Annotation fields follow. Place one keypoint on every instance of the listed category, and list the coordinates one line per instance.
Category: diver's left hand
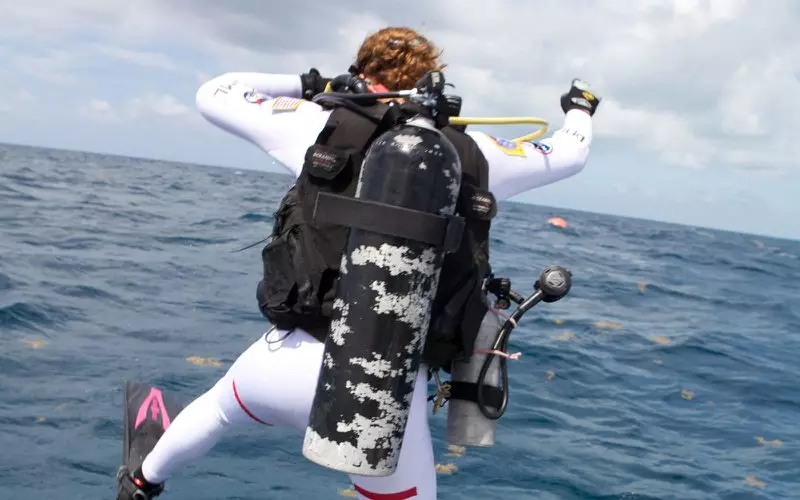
(313, 83)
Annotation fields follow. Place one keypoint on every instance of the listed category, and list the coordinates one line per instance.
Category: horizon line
(511, 201)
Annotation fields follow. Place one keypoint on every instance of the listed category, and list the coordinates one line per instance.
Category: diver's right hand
(580, 97)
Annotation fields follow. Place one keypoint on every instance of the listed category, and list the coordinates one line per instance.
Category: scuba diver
(273, 382)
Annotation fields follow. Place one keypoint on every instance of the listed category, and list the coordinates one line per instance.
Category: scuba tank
(401, 223)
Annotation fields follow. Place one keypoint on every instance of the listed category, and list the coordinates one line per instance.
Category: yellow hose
(506, 120)
(497, 120)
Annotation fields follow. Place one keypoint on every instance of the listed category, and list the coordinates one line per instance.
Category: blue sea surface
(670, 371)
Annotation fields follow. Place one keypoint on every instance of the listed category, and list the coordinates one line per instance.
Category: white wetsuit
(273, 381)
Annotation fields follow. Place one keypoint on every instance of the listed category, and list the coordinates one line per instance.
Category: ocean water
(670, 371)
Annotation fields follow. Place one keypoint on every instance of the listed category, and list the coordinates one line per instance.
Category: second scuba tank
(466, 424)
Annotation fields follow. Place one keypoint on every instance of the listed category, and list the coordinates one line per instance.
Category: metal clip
(442, 393)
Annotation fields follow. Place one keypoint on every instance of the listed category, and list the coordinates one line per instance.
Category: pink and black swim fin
(148, 413)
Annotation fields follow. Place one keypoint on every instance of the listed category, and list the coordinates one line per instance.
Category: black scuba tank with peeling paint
(402, 224)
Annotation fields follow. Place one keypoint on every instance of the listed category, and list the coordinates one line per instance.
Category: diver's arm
(273, 84)
(522, 167)
(281, 126)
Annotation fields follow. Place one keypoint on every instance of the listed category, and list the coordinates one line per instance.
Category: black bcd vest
(301, 262)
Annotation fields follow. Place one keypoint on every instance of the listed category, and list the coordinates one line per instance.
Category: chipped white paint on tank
(315, 446)
(394, 259)
(422, 165)
(454, 186)
(339, 327)
(328, 360)
(370, 432)
(411, 308)
(378, 367)
(419, 121)
(407, 142)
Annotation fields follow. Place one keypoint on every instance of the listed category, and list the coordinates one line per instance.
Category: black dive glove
(313, 83)
(580, 97)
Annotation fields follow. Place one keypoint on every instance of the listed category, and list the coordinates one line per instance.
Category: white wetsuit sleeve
(256, 107)
(274, 84)
(516, 168)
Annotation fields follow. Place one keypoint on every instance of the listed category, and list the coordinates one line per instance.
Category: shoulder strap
(475, 199)
(474, 160)
(355, 127)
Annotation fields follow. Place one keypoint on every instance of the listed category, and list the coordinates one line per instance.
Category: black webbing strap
(468, 391)
(444, 232)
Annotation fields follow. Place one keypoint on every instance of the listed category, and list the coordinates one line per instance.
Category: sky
(698, 123)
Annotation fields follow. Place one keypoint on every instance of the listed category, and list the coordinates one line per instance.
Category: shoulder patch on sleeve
(510, 148)
(286, 104)
(256, 97)
(542, 147)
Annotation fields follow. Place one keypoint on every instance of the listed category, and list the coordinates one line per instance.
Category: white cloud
(97, 109)
(24, 96)
(694, 82)
(138, 57)
(99, 106)
(149, 105)
(56, 66)
(665, 133)
(52, 68)
(16, 102)
(201, 77)
(163, 105)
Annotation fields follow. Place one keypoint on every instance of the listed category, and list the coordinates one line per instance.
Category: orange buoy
(557, 222)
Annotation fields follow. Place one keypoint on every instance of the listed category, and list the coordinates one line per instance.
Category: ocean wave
(667, 372)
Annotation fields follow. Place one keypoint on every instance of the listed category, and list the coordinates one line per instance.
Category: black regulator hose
(553, 284)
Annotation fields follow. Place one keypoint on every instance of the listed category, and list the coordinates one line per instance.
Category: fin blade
(148, 413)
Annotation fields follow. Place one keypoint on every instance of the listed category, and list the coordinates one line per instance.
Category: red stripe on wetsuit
(241, 404)
(400, 495)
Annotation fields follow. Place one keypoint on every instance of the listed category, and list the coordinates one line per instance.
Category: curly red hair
(397, 57)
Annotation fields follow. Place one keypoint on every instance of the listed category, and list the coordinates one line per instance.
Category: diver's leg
(415, 476)
(279, 389)
(278, 382)
(271, 383)
(191, 435)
